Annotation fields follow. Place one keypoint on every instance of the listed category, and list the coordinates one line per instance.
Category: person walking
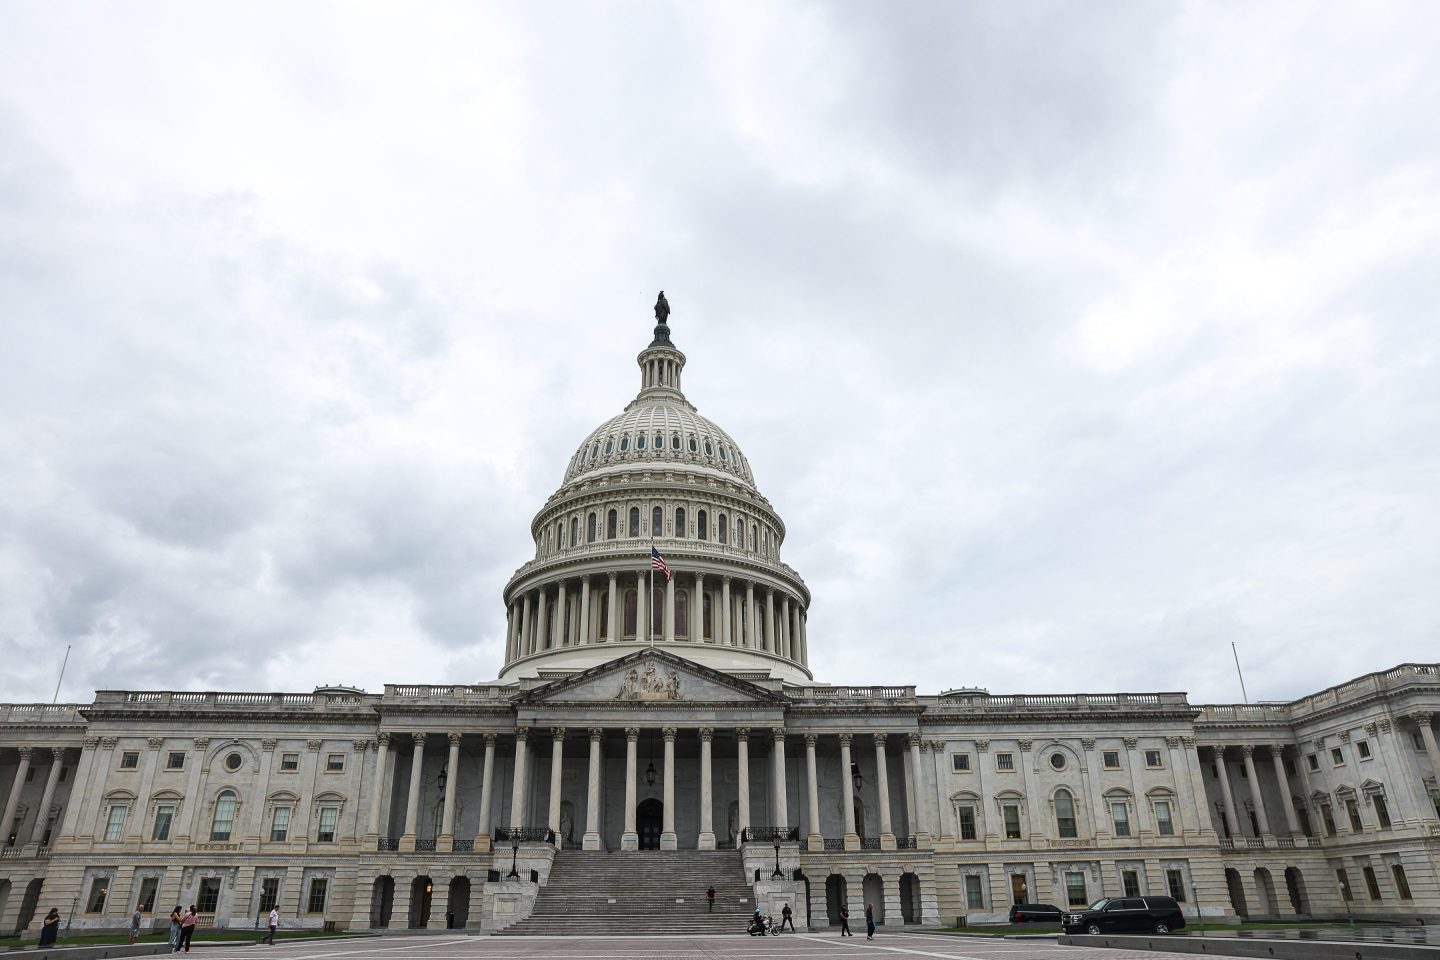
(274, 923)
(176, 916)
(845, 921)
(135, 919)
(187, 929)
(50, 928)
(787, 919)
(710, 898)
(869, 921)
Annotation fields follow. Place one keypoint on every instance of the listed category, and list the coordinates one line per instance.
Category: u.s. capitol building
(667, 731)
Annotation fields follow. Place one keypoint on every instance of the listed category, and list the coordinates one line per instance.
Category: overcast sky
(1072, 342)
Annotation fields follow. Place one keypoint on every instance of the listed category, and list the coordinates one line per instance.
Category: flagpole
(650, 614)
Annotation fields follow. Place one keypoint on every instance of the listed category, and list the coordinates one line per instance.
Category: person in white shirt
(274, 922)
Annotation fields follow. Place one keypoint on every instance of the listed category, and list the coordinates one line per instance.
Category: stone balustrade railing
(424, 691)
(46, 714)
(1405, 675)
(828, 694)
(214, 699)
(641, 549)
(980, 702)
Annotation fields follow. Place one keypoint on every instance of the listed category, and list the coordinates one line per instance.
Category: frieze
(649, 684)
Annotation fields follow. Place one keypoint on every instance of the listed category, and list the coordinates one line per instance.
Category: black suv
(1034, 913)
(1126, 915)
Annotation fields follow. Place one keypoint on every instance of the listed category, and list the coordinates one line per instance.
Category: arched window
(590, 531)
(632, 608)
(1065, 814)
(657, 523)
(706, 631)
(611, 521)
(680, 522)
(625, 443)
(574, 531)
(224, 820)
(709, 450)
(754, 536)
(609, 445)
(720, 530)
(702, 525)
(674, 441)
(694, 447)
(764, 540)
(560, 534)
(724, 454)
(634, 521)
(659, 440)
(682, 613)
(639, 441)
(602, 629)
(740, 533)
(594, 450)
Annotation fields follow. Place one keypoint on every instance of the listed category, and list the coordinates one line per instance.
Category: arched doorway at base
(649, 820)
(382, 902)
(421, 891)
(835, 894)
(457, 912)
(909, 898)
(874, 889)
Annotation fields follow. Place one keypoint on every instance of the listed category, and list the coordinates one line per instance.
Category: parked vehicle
(1034, 913)
(1126, 915)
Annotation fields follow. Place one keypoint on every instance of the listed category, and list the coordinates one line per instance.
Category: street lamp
(650, 772)
(777, 872)
(514, 858)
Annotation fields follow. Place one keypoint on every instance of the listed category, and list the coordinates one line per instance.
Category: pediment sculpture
(649, 685)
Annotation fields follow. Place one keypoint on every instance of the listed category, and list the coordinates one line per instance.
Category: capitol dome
(658, 475)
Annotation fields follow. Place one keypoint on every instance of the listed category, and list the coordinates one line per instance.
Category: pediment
(651, 677)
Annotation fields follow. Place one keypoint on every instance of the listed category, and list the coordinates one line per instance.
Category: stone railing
(640, 549)
(1405, 675)
(833, 694)
(425, 691)
(41, 714)
(216, 700)
(981, 702)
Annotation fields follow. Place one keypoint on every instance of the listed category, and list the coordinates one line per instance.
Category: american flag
(658, 562)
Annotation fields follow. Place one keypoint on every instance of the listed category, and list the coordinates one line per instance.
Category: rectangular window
(1110, 759)
(280, 824)
(148, 887)
(1402, 884)
(1372, 885)
(1004, 761)
(1382, 812)
(967, 823)
(1075, 890)
(1313, 760)
(1352, 809)
(164, 816)
(289, 762)
(99, 889)
(1328, 816)
(269, 893)
(130, 759)
(1289, 767)
(175, 760)
(1130, 880)
(328, 818)
(960, 762)
(209, 895)
(334, 763)
(1163, 824)
(1175, 880)
(1012, 821)
(1120, 813)
(1337, 756)
(115, 823)
(1152, 759)
(1344, 880)
(315, 903)
(1362, 748)
(974, 892)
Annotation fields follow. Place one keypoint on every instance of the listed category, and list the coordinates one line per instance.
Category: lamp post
(777, 872)
(514, 859)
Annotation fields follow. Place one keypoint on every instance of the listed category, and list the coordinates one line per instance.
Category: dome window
(639, 441)
(720, 529)
(680, 530)
(724, 454)
(634, 521)
(694, 447)
(574, 531)
(612, 520)
(709, 450)
(657, 522)
(609, 446)
(702, 526)
(659, 440)
(674, 441)
(594, 449)
(590, 525)
(625, 443)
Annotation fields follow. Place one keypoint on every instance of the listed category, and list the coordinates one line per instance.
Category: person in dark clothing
(845, 921)
(710, 897)
(50, 928)
(786, 919)
(869, 921)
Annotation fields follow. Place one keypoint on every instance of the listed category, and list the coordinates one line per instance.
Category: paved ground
(895, 946)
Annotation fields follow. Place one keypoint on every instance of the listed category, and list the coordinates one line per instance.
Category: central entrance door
(648, 819)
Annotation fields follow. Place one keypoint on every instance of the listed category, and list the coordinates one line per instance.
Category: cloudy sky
(1073, 342)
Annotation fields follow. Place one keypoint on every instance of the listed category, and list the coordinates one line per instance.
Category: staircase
(635, 893)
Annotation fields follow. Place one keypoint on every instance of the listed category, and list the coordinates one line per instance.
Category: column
(742, 776)
(583, 635)
(517, 791)
(412, 805)
(446, 840)
(852, 839)
(487, 794)
(797, 651)
(557, 630)
(13, 802)
(557, 760)
(815, 840)
(750, 614)
(706, 840)
(725, 636)
(1292, 822)
(668, 612)
(786, 646)
(591, 840)
(882, 778)
(770, 620)
(630, 840)
(782, 808)
(1427, 734)
(509, 632)
(1232, 814)
(642, 608)
(1135, 762)
(1248, 753)
(697, 612)
(42, 813)
(527, 623)
(612, 615)
(917, 778)
(804, 636)
(667, 816)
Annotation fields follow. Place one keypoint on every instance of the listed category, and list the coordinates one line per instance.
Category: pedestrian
(176, 916)
(845, 921)
(274, 922)
(710, 898)
(869, 921)
(135, 924)
(50, 928)
(787, 918)
(187, 929)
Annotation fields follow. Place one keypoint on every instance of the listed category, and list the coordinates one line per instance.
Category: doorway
(420, 893)
(834, 898)
(1019, 888)
(382, 901)
(27, 905)
(649, 817)
(457, 913)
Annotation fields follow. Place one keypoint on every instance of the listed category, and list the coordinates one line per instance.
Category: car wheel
(1162, 927)
(1093, 929)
